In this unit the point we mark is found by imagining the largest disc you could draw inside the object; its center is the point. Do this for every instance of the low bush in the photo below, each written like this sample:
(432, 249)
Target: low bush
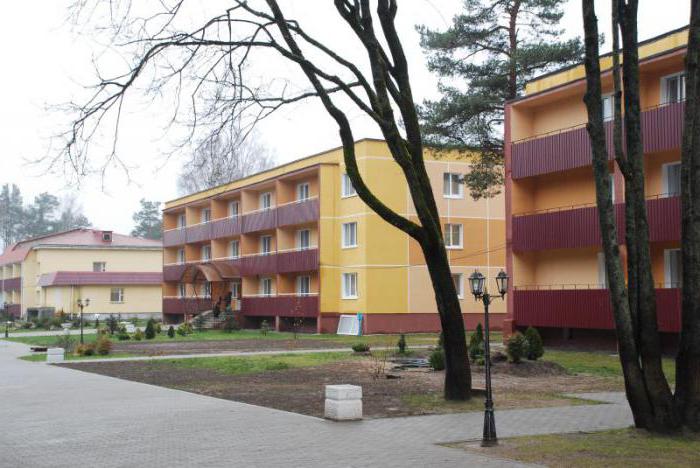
(476, 344)
(184, 329)
(103, 346)
(535, 348)
(360, 347)
(264, 327)
(138, 335)
(402, 344)
(123, 335)
(66, 342)
(437, 359)
(150, 329)
(87, 349)
(159, 328)
(171, 332)
(516, 347)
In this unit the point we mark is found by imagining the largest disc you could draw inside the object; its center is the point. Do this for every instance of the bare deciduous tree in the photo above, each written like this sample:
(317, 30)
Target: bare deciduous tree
(211, 61)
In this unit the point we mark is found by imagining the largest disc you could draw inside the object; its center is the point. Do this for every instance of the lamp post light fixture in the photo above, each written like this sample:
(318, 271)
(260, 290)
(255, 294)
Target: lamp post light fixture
(82, 304)
(7, 329)
(477, 282)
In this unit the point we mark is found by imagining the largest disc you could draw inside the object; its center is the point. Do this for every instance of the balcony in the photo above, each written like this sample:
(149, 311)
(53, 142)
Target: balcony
(173, 271)
(14, 310)
(575, 227)
(11, 284)
(298, 212)
(186, 305)
(585, 308)
(287, 305)
(662, 129)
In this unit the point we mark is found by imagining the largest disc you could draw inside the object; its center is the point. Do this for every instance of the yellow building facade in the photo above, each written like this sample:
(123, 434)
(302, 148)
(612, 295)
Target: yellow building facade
(119, 274)
(295, 243)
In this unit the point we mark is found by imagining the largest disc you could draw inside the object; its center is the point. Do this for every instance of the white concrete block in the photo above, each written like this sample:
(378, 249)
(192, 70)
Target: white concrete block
(343, 392)
(55, 355)
(343, 410)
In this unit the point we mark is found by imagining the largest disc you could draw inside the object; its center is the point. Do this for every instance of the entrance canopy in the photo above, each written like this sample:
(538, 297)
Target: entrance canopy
(211, 272)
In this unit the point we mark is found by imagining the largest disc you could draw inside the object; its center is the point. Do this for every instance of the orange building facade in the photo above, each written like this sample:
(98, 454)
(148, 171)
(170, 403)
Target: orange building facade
(553, 241)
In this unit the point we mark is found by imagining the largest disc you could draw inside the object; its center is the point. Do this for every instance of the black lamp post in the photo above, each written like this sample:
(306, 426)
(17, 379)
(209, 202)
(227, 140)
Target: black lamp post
(7, 329)
(82, 305)
(7, 323)
(477, 283)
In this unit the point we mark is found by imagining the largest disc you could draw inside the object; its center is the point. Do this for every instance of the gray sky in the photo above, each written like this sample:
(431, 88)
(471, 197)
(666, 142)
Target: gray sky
(46, 62)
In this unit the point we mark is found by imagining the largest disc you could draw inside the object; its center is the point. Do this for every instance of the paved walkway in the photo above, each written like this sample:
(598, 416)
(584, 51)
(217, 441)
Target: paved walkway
(56, 417)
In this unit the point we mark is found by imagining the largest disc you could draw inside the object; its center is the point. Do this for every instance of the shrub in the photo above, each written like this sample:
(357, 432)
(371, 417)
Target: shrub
(103, 345)
(171, 332)
(112, 324)
(186, 328)
(437, 359)
(360, 347)
(264, 327)
(159, 328)
(123, 335)
(66, 342)
(535, 349)
(231, 324)
(150, 329)
(85, 349)
(476, 344)
(402, 344)
(182, 330)
(138, 335)
(516, 347)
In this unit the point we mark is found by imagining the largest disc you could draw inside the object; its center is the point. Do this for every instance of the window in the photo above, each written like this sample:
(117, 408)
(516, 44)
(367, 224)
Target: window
(349, 285)
(346, 186)
(99, 266)
(235, 290)
(673, 268)
(671, 173)
(612, 187)
(452, 186)
(206, 215)
(457, 279)
(266, 201)
(673, 88)
(303, 285)
(116, 295)
(181, 290)
(106, 236)
(266, 286)
(181, 256)
(349, 235)
(453, 236)
(181, 221)
(206, 252)
(608, 107)
(233, 209)
(602, 271)
(206, 289)
(303, 239)
(266, 244)
(302, 191)
(234, 249)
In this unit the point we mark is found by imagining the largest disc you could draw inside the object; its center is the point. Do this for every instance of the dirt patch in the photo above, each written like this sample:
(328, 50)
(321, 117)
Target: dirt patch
(407, 392)
(149, 348)
(526, 368)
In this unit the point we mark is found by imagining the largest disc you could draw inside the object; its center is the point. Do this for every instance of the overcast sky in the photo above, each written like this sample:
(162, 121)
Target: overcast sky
(46, 62)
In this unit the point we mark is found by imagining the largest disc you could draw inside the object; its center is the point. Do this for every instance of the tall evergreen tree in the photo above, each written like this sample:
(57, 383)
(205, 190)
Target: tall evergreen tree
(493, 48)
(40, 218)
(149, 224)
(11, 209)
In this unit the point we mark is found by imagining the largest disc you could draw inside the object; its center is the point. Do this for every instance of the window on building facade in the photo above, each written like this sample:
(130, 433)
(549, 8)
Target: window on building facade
(235, 290)
(671, 173)
(347, 189)
(349, 286)
(303, 239)
(453, 236)
(116, 295)
(266, 286)
(349, 235)
(234, 249)
(233, 208)
(206, 289)
(99, 267)
(457, 279)
(181, 290)
(602, 271)
(206, 252)
(181, 221)
(265, 245)
(302, 191)
(303, 285)
(673, 88)
(673, 268)
(206, 215)
(181, 256)
(452, 186)
(612, 187)
(608, 107)
(266, 201)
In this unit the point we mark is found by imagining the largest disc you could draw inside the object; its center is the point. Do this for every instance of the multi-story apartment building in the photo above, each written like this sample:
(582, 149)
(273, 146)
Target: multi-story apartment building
(119, 274)
(554, 247)
(296, 242)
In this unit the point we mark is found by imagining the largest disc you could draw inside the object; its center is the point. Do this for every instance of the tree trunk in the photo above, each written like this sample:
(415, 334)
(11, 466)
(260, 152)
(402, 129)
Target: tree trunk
(688, 358)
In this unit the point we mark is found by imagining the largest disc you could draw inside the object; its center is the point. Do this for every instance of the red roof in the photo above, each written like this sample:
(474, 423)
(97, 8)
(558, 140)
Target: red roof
(91, 238)
(80, 278)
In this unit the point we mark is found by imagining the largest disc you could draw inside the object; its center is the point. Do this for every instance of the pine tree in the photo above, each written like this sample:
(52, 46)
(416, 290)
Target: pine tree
(148, 221)
(493, 48)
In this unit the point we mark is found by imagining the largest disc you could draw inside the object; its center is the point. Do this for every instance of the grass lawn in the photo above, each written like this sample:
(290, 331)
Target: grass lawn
(598, 364)
(619, 448)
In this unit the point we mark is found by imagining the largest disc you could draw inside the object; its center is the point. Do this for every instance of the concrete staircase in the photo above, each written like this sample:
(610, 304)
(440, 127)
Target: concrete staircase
(209, 321)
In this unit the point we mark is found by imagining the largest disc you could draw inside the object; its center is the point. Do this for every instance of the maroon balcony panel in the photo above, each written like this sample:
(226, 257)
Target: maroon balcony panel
(579, 227)
(259, 221)
(12, 284)
(199, 232)
(259, 265)
(298, 260)
(298, 213)
(661, 129)
(188, 305)
(14, 310)
(173, 272)
(174, 237)
(226, 227)
(585, 308)
(283, 306)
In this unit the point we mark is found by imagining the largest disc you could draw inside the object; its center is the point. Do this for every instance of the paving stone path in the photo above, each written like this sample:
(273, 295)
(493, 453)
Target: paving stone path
(56, 417)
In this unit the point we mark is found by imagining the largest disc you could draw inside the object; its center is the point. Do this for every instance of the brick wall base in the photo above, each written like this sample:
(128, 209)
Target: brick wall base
(406, 323)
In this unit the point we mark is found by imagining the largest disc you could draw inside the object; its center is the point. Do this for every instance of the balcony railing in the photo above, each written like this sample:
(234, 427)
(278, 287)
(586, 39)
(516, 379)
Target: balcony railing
(14, 310)
(287, 305)
(585, 308)
(11, 284)
(574, 227)
(174, 271)
(297, 212)
(186, 305)
(570, 148)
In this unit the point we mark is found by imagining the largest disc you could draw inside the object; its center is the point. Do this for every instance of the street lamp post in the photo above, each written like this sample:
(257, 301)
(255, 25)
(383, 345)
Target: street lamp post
(7, 329)
(82, 305)
(480, 291)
